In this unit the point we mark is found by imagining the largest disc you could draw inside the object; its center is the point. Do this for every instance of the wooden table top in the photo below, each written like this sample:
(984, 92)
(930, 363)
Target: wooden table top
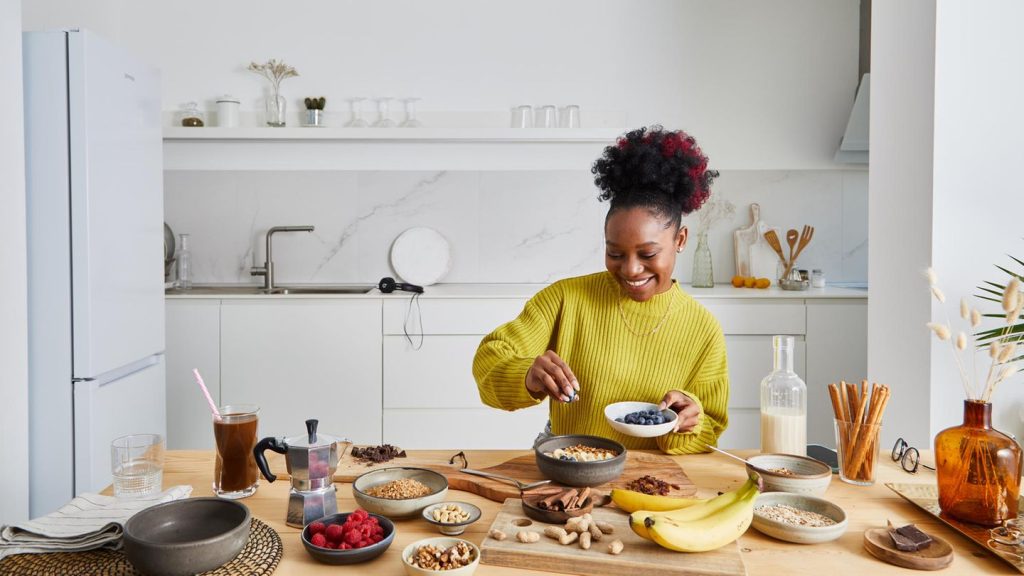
(866, 507)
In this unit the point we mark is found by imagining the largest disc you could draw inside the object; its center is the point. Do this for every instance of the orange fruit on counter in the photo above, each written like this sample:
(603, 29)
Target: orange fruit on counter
(749, 281)
(737, 281)
(762, 283)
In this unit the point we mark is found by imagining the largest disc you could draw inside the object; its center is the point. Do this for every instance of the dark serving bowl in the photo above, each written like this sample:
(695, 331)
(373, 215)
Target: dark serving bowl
(186, 536)
(355, 555)
(580, 473)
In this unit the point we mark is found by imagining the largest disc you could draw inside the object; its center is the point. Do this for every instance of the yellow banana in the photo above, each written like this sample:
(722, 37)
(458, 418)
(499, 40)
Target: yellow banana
(636, 522)
(695, 512)
(707, 533)
(631, 501)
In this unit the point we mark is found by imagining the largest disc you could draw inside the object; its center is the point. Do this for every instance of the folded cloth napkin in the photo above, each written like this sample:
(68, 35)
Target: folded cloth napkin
(88, 522)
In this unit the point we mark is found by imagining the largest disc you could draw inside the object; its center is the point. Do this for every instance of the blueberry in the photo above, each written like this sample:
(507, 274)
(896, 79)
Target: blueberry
(619, 419)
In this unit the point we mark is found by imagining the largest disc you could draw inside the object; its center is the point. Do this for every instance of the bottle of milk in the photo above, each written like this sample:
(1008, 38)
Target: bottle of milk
(783, 404)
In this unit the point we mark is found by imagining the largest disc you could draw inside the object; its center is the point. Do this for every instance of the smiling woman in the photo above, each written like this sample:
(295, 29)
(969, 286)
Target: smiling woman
(630, 333)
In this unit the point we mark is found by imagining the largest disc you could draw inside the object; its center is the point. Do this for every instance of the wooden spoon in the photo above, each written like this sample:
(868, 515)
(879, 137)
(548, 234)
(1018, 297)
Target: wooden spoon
(791, 237)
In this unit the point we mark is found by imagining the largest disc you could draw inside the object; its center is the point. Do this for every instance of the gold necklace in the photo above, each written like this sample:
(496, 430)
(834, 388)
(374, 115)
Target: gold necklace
(622, 314)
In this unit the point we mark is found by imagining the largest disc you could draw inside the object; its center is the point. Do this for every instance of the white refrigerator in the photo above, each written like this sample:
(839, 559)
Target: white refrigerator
(94, 175)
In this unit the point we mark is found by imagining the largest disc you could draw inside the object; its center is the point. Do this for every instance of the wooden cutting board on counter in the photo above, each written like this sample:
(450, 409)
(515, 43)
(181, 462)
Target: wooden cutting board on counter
(638, 556)
(524, 468)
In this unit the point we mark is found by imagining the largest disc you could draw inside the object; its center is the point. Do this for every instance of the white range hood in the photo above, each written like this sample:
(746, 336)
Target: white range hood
(854, 147)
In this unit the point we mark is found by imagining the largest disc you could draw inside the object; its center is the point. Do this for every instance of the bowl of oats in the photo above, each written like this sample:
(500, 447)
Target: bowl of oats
(453, 556)
(399, 492)
(580, 460)
(792, 473)
(798, 518)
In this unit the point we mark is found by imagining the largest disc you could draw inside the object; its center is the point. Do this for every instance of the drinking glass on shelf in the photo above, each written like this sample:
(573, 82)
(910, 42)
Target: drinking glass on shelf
(410, 114)
(522, 116)
(384, 113)
(571, 116)
(137, 464)
(546, 117)
(357, 113)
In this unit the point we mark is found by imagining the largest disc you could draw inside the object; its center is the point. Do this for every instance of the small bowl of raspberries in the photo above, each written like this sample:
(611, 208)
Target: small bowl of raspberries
(348, 538)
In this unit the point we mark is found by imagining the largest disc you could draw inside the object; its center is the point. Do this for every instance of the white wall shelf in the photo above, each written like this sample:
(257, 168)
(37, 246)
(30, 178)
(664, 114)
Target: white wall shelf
(301, 148)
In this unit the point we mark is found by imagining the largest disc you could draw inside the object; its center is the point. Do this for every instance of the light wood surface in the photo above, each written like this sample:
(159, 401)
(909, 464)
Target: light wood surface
(866, 507)
(638, 556)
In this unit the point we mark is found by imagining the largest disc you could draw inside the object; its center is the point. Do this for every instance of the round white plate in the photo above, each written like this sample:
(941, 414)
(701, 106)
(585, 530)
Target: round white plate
(620, 409)
(421, 256)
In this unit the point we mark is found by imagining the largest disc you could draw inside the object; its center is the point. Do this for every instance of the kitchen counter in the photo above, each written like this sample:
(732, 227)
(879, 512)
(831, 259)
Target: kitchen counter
(464, 291)
(866, 507)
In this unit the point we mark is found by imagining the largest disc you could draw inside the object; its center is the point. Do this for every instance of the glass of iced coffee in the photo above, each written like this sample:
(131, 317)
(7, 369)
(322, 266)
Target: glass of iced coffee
(235, 474)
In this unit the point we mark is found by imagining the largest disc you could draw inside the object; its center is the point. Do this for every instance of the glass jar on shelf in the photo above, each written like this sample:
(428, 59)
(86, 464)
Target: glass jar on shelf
(190, 116)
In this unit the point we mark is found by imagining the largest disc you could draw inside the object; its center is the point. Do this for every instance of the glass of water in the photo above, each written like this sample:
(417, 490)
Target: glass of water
(137, 464)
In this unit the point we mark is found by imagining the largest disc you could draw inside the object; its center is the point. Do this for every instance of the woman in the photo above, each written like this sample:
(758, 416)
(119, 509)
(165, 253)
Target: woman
(630, 333)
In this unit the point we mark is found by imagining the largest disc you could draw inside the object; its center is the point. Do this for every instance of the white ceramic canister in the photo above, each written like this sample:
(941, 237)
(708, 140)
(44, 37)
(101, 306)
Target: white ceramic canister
(227, 111)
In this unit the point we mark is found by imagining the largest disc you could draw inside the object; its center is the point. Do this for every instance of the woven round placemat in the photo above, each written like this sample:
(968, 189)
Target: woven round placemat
(259, 558)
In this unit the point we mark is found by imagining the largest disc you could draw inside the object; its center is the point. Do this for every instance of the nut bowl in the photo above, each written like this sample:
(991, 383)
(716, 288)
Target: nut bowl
(451, 528)
(613, 412)
(805, 475)
(573, 473)
(355, 555)
(404, 507)
(441, 542)
(796, 533)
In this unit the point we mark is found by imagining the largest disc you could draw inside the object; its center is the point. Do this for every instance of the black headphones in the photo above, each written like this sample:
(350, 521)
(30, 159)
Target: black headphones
(388, 285)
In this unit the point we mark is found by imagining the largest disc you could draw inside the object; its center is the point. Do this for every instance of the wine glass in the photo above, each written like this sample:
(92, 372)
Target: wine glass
(357, 113)
(410, 114)
(383, 113)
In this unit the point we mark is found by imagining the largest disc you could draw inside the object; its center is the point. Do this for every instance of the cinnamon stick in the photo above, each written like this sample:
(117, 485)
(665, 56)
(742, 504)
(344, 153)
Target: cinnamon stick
(862, 445)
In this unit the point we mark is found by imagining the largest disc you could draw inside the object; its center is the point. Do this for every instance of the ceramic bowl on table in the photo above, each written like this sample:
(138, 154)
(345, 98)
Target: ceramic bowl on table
(186, 536)
(440, 542)
(796, 533)
(399, 508)
(452, 528)
(572, 473)
(803, 475)
(354, 555)
(614, 412)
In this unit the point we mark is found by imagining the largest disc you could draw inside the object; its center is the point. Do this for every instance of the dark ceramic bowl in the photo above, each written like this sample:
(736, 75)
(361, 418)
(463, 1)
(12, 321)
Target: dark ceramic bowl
(186, 536)
(580, 473)
(356, 555)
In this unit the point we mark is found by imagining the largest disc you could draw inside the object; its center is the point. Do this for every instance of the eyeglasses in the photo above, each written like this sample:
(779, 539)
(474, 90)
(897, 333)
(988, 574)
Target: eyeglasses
(908, 456)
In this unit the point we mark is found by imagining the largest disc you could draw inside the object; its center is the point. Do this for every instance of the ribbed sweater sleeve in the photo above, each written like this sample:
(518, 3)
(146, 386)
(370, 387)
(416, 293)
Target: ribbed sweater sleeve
(710, 390)
(505, 355)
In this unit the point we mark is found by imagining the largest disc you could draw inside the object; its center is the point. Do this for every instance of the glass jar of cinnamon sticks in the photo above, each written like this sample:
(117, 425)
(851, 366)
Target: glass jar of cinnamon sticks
(858, 420)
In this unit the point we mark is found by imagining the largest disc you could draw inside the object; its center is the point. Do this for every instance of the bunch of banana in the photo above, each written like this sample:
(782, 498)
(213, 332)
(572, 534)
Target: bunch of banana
(701, 527)
(631, 501)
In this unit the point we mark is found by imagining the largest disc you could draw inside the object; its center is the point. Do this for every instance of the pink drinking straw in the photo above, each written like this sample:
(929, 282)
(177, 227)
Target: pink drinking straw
(206, 392)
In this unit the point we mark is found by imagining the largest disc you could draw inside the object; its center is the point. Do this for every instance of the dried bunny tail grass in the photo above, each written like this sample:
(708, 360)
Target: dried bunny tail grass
(940, 330)
(1015, 314)
(1006, 353)
(933, 279)
(939, 295)
(961, 341)
(1006, 372)
(965, 311)
(975, 318)
(1011, 295)
(994, 349)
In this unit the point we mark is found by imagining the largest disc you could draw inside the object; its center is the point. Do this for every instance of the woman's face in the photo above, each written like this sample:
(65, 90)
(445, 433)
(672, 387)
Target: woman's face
(640, 251)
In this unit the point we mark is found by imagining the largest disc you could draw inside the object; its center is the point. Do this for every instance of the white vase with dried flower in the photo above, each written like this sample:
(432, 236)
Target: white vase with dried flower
(274, 71)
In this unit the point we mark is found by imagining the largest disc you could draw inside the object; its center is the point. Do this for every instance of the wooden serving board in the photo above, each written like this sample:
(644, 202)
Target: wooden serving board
(525, 469)
(753, 255)
(638, 556)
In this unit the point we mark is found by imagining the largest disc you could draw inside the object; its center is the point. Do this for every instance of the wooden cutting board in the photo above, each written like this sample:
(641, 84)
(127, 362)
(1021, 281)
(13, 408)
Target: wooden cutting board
(753, 256)
(525, 469)
(639, 556)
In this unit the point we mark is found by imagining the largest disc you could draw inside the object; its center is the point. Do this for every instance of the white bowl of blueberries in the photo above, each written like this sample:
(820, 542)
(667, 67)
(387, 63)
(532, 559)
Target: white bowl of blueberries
(640, 419)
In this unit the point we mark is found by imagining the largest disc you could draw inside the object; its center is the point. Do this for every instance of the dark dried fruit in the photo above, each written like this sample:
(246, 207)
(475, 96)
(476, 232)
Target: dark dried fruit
(651, 485)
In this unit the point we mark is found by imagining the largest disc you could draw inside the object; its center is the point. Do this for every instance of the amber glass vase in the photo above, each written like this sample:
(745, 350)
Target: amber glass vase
(978, 469)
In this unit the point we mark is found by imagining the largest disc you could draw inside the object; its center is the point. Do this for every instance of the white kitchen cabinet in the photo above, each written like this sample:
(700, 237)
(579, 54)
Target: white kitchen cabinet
(193, 341)
(305, 358)
(837, 341)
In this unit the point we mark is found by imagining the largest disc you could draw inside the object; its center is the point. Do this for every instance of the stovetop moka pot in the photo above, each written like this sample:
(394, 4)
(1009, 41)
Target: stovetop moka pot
(312, 460)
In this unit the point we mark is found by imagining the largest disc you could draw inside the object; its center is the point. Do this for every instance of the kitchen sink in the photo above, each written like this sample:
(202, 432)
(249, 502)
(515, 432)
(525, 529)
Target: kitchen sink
(243, 289)
(322, 289)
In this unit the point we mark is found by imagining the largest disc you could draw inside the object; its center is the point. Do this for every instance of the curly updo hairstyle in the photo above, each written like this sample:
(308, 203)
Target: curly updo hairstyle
(664, 171)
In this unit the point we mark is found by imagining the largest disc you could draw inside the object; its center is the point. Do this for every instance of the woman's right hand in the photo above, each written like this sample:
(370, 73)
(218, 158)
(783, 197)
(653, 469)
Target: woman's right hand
(550, 376)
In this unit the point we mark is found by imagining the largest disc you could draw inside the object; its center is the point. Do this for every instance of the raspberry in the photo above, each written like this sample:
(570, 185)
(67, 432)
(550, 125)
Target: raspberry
(363, 543)
(353, 537)
(376, 538)
(344, 546)
(360, 514)
(316, 528)
(318, 540)
(334, 533)
(373, 520)
(331, 545)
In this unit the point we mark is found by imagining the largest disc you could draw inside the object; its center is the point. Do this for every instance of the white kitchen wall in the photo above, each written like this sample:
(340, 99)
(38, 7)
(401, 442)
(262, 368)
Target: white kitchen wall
(502, 226)
(13, 289)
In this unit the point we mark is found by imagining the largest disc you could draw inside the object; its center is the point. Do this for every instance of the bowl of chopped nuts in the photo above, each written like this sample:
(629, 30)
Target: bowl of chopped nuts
(399, 492)
(580, 460)
(798, 518)
(454, 556)
(792, 473)
(451, 518)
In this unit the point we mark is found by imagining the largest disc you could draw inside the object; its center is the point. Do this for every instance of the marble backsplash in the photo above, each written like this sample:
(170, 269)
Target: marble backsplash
(502, 226)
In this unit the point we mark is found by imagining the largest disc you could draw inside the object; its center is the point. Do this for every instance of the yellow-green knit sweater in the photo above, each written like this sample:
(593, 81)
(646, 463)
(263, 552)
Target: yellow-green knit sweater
(580, 319)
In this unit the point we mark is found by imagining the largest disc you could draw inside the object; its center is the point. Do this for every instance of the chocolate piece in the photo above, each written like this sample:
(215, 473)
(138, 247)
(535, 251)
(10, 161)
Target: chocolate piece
(909, 538)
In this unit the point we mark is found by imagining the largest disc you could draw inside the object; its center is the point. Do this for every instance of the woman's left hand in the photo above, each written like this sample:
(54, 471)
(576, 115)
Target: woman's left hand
(684, 406)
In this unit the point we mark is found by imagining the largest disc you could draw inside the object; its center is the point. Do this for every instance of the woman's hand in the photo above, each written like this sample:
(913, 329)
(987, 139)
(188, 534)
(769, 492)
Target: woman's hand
(550, 376)
(684, 406)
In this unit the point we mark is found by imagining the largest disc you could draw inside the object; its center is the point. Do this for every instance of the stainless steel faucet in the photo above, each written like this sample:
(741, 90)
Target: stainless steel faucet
(267, 270)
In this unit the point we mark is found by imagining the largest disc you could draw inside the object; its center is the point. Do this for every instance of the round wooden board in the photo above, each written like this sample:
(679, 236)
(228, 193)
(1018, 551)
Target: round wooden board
(935, 557)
